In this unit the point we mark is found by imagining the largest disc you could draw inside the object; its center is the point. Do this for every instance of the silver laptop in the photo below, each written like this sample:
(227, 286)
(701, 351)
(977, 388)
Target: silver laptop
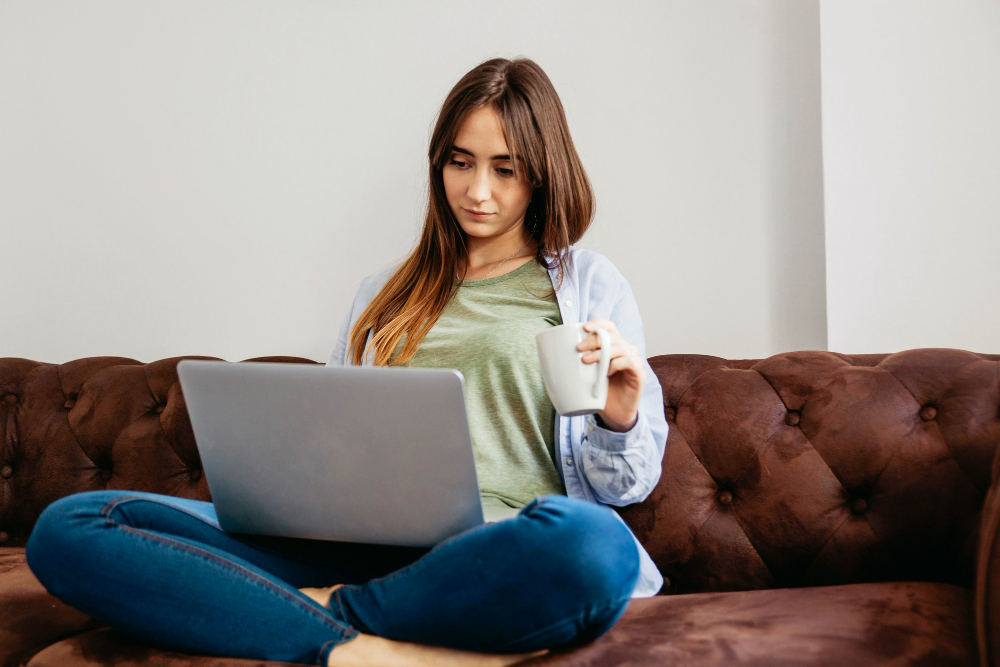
(355, 454)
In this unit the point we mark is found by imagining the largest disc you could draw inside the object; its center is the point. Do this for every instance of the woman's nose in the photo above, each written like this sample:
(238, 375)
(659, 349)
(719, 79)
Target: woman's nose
(479, 188)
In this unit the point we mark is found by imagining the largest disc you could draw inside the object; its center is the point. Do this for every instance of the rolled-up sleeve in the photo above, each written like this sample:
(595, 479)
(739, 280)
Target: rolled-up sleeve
(624, 468)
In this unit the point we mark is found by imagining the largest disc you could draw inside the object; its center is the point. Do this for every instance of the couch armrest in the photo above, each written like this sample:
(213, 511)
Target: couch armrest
(987, 593)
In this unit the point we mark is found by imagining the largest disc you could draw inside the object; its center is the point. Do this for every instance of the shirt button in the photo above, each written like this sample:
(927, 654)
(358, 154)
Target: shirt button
(569, 304)
(590, 427)
(568, 461)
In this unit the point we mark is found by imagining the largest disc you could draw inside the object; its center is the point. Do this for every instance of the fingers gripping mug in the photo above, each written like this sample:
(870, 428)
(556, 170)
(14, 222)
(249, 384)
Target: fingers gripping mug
(575, 387)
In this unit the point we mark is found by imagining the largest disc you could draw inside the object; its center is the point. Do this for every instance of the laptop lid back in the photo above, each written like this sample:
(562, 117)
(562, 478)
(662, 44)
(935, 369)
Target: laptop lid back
(357, 454)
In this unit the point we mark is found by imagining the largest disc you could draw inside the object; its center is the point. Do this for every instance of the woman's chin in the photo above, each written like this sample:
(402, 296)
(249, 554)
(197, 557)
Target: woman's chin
(479, 229)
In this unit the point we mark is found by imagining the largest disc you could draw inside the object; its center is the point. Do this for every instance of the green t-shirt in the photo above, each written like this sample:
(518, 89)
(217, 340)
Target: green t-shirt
(487, 331)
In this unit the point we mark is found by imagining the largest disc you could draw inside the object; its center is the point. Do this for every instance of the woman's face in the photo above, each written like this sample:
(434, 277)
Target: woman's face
(483, 193)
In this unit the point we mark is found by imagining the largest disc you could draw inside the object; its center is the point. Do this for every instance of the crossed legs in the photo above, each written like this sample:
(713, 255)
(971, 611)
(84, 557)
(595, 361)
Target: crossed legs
(159, 568)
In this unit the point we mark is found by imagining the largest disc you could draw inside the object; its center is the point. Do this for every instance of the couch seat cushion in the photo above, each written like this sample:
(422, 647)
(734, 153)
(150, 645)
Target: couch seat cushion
(105, 646)
(911, 623)
(30, 618)
(866, 624)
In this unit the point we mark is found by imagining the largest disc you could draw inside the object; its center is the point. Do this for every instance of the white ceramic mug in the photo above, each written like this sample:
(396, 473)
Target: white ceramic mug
(575, 387)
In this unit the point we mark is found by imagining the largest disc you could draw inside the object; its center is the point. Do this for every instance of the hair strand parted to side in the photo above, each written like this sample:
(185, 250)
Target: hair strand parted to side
(537, 135)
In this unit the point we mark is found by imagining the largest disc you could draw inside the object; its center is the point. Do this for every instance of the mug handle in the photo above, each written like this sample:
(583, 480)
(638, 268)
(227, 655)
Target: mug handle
(604, 338)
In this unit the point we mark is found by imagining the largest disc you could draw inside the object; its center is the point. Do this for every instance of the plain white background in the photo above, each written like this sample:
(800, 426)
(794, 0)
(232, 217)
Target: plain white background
(911, 143)
(216, 177)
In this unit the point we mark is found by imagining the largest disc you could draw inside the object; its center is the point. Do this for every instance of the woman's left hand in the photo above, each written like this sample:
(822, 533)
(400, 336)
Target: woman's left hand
(626, 375)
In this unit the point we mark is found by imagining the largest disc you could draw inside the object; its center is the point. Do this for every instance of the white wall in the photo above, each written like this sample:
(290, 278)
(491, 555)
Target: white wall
(911, 146)
(215, 178)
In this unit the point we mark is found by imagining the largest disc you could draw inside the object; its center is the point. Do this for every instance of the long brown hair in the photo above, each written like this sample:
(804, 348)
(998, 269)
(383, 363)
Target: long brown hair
(541, 149)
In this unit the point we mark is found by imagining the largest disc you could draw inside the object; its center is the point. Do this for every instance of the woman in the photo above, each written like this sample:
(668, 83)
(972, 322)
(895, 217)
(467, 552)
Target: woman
(494, 265)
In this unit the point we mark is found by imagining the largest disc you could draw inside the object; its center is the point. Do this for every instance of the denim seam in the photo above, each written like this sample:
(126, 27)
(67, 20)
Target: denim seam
(340, 607)
(302, 605)
(323, 657)
(346, 631)
(114, 503)
(118, 501)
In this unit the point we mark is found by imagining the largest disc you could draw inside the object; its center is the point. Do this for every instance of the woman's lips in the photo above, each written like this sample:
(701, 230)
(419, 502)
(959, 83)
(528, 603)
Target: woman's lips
(478, 215)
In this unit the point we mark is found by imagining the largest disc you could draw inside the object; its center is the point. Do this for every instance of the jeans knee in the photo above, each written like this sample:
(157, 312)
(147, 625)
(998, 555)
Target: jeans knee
(57, 533)
(594, 549)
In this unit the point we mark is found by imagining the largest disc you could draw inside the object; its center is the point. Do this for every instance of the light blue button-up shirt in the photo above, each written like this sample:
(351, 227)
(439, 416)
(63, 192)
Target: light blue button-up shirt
(596, 464)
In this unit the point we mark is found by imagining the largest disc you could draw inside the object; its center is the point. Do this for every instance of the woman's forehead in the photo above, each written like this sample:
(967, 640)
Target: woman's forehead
(481, 133)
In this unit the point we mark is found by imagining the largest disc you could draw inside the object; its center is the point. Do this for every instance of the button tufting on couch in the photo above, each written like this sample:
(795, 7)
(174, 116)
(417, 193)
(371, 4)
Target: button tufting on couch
(792, 486)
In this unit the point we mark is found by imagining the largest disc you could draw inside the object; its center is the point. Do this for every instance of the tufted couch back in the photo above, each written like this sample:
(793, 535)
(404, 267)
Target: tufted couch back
(812, 468)
(806, 468)
(93, 423)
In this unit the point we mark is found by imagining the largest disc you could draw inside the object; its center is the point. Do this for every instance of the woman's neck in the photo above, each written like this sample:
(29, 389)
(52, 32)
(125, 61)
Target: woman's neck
(497, 256)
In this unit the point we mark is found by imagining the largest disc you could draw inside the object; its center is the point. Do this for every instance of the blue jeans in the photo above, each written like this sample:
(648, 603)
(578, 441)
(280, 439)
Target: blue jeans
(160, 569)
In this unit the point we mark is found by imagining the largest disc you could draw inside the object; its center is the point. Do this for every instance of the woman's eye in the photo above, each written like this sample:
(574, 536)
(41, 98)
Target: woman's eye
(459, 163)
(505, 172)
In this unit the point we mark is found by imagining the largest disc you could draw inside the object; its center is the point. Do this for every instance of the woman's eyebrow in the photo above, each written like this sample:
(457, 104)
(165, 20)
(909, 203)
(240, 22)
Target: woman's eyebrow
(456, 149)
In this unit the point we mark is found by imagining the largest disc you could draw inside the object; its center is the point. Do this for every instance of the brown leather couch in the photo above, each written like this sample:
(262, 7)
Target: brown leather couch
(814, 508)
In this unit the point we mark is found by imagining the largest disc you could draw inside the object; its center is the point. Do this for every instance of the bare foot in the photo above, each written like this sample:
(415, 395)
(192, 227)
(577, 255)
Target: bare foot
(371, 651)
